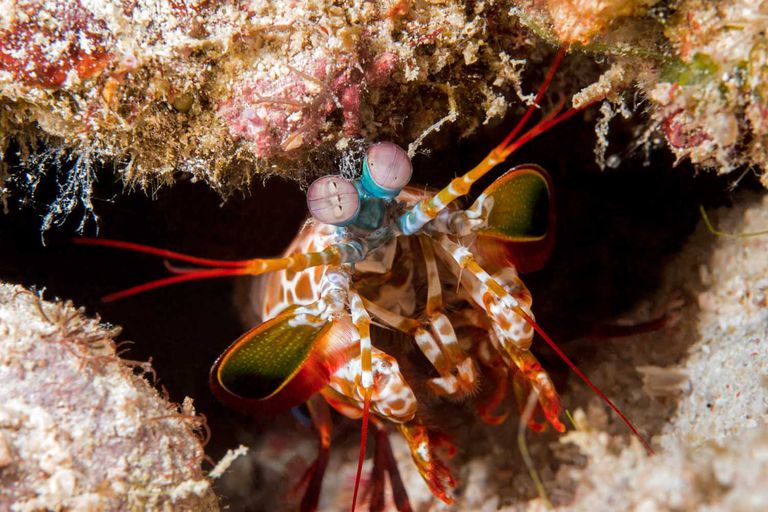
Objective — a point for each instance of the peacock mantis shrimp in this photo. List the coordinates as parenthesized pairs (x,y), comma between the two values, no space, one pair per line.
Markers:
(368,247)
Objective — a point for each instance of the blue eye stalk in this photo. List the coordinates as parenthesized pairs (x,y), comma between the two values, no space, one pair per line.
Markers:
(362,203)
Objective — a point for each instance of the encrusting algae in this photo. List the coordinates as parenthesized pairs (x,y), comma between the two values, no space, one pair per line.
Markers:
(222,91)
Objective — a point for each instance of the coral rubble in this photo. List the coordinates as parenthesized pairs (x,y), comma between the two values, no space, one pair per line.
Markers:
(711,99)
(706,381)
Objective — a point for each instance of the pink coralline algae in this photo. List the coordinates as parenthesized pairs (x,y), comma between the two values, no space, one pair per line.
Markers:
(280,112)
(680,131)
(43,42)
(350,105)
(222,91)
(380,70)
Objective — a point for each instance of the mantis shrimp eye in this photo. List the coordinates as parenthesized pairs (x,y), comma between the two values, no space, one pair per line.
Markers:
(386,170)
(333,200)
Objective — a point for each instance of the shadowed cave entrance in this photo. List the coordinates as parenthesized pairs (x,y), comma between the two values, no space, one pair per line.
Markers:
(616,229)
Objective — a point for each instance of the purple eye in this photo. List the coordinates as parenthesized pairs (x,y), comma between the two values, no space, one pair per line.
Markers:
(389,167)
(333,200)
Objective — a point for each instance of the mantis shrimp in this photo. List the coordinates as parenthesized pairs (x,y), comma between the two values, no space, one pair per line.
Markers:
(368,247)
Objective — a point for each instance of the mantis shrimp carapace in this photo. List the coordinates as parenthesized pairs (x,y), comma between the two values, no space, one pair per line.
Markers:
(378,250)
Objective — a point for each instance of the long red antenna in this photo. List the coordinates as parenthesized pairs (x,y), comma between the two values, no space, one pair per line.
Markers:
(221,268)
(547,123)
(363,439)
(583,377)
(539,94)
(166,281)
(550,120)
(164,253)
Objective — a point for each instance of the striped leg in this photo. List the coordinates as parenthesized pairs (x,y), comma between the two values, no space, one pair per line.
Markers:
(362,322)
(427,209)
(373,376)
(495,295)
(479,338)
(441,326)
(391,398)
(509,313)
(530,375)
(423,444)
(447,384)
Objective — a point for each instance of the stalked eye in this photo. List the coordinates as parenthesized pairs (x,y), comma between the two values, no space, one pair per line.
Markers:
(386,170)
(333,200)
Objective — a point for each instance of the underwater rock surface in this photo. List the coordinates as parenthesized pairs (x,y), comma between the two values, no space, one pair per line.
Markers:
(223,91)
(227,92)
(79,429)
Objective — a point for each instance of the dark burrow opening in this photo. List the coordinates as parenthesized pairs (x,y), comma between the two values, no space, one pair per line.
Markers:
(615,231)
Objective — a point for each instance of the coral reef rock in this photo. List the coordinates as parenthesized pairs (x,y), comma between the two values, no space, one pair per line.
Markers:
(79,428)
(223,91)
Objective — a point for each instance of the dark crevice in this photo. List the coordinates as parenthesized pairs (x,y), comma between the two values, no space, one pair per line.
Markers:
(615,231)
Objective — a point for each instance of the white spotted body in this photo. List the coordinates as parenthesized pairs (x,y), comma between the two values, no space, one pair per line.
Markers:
(392,397)
(458,325)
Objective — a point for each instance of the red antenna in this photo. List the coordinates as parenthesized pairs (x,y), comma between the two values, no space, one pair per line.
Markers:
(586,380)
(221,268)
(363,439)
(548,121)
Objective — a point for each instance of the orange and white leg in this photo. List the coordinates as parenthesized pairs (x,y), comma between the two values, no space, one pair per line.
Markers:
(362,322)
(508,304)
(512,330)
(495,296)
(447,384)
(440,346)
(527,374)
(391,398)
(428,209)
(441,326)
(476,336)
(461,372)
